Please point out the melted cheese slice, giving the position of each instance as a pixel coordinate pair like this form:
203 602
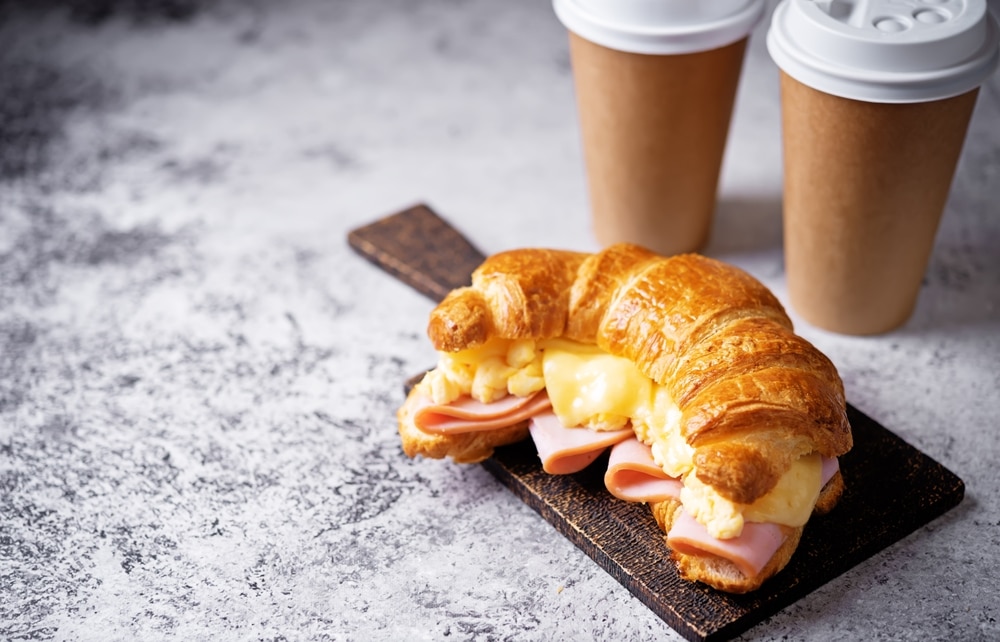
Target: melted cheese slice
589 387
793 498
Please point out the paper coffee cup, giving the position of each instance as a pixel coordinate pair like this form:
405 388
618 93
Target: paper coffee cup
876 100
655 83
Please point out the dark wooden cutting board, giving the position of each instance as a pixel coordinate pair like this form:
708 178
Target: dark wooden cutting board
892 488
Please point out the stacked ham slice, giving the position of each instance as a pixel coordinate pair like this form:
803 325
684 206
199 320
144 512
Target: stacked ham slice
466 414
632 473
569 450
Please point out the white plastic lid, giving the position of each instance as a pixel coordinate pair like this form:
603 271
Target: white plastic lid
660 26
887 51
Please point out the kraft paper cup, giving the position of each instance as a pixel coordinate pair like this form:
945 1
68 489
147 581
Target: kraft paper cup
655 83
876 100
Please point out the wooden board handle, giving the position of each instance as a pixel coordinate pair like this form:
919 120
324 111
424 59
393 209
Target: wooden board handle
419 248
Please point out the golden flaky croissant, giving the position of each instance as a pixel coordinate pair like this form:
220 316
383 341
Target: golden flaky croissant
748 397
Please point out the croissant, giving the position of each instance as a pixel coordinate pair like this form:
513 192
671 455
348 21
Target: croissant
748 396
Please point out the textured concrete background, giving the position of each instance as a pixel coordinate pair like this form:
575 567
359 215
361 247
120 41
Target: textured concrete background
198 378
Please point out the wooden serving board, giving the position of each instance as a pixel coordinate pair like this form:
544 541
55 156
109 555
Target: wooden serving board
892 488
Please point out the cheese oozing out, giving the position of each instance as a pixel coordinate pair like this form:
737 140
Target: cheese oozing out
590 387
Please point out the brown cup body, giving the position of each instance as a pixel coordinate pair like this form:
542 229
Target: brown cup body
865 185
654 130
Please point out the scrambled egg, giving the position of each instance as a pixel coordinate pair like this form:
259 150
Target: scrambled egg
486 373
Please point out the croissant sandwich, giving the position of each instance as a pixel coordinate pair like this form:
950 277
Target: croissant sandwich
720 418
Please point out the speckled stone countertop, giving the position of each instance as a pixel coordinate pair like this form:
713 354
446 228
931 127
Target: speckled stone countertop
198 377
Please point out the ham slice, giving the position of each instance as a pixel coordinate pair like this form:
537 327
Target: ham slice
750 551
634 476
830 467
466 414
569 450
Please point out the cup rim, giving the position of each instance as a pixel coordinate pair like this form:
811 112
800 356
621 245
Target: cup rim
612 26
